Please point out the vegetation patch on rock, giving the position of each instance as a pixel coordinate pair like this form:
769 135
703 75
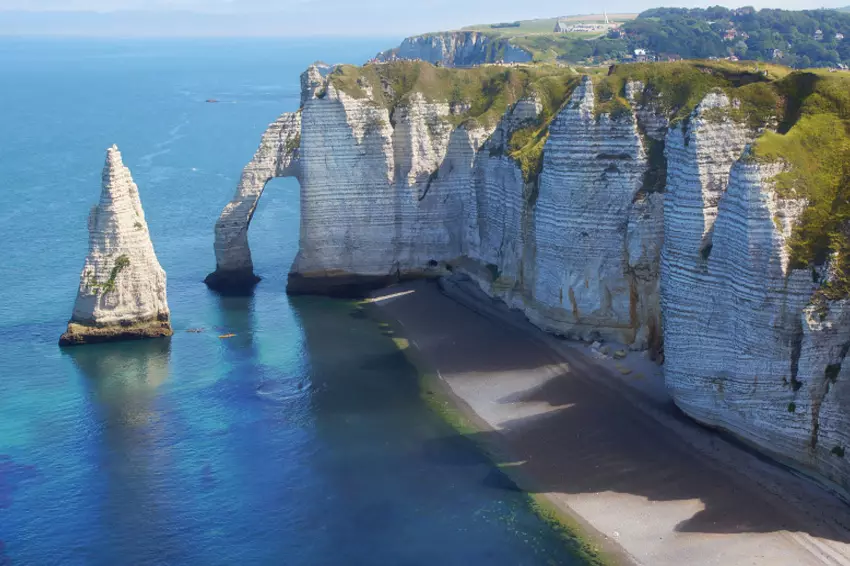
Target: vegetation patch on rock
483 92
814 143
526 144
121 262
675 89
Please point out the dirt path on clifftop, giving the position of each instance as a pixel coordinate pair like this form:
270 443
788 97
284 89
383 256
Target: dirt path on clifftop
596 450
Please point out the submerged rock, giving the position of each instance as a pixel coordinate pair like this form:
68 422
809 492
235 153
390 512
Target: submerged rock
122 293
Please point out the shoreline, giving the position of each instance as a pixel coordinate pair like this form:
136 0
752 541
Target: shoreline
668 491
585 542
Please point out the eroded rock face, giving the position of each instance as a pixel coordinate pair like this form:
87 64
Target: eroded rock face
122 292
277 156
457 49
381 196
745 350
633 231
577 249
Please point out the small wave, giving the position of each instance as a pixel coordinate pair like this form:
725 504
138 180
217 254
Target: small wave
276 391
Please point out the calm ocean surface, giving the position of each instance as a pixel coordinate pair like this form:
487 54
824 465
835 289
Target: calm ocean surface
302 440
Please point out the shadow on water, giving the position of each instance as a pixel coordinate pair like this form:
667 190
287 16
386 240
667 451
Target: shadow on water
123 372
592 440
132 444
378 444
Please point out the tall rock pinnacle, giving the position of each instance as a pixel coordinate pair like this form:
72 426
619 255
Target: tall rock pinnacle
122 286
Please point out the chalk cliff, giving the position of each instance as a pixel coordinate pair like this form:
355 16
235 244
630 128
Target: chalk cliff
747 349
122 286
277 156
457 49
638 207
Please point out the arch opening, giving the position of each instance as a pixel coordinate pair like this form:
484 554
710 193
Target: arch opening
277 156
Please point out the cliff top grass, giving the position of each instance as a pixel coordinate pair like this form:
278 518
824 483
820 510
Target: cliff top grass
813 141
487 90
810 111
676 88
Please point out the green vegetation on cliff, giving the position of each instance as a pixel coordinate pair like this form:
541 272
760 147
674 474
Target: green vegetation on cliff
527 143
813 141
121 262
805 114
675 89
480 94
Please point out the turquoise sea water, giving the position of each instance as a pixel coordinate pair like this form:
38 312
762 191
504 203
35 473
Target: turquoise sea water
301 440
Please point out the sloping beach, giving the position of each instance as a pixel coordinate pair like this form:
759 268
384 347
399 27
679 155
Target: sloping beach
605 446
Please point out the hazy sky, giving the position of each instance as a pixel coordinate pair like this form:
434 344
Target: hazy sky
309 17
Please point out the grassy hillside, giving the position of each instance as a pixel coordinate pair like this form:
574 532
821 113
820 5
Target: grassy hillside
547 25
799 39
487 90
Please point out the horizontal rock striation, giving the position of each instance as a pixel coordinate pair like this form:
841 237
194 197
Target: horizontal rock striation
576 248
122 293
629 208
277 156
745 349
457 49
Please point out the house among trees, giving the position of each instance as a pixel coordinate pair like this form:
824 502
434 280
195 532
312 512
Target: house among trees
818 35
839 36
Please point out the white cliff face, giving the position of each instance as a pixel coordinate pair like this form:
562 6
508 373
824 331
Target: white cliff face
593 168
744 351
122 291
499 211
277 156
631 223
578 249
457 49
382 196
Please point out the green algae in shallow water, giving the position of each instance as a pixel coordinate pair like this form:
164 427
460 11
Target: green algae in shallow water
434 392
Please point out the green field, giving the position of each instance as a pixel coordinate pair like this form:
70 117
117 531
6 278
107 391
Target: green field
547 25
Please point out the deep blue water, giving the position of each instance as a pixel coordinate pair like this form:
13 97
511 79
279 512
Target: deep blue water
302 440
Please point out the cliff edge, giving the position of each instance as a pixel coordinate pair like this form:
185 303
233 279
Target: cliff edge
122 292
697 210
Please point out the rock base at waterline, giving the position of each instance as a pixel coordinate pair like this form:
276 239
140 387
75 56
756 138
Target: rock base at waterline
80 334
232 282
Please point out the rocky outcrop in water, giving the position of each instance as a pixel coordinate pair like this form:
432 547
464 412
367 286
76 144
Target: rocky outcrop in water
457 49
122 294
277 156
667 238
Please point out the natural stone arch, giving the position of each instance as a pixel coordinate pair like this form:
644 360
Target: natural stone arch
277 156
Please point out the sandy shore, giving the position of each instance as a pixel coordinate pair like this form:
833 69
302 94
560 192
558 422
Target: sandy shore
601 441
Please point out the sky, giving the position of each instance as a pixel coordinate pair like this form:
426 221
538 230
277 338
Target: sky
304 17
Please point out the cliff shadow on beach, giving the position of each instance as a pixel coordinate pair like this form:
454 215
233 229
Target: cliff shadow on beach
566 433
